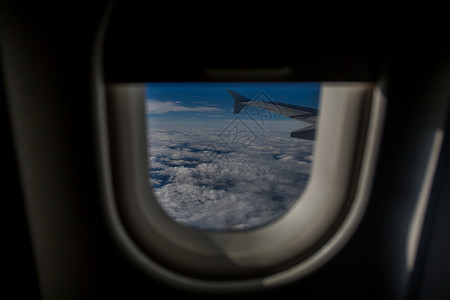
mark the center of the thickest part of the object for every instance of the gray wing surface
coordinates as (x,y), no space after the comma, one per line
(300,113)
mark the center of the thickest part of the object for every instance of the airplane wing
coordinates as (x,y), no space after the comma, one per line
(300,113)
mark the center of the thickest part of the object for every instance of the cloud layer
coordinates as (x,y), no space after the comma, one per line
(161,107)
(230,179)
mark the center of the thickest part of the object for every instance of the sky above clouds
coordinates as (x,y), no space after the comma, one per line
(209,104)
(213,170)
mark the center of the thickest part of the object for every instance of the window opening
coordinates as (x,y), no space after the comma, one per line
(230,156)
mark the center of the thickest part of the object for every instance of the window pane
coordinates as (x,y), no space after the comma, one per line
(230,156)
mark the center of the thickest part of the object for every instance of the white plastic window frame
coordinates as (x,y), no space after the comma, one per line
(292,246)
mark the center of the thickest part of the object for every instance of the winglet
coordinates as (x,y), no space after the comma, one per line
(239,101)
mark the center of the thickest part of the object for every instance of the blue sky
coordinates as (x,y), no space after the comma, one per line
(208,105)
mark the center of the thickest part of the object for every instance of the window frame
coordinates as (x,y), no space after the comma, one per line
(292,246)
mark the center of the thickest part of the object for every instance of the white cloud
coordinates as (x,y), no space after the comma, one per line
(201,182)
(161,107)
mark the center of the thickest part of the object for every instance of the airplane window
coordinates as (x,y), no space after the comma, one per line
(230,156)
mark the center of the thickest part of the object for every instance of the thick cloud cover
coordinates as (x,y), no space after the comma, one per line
(229,179)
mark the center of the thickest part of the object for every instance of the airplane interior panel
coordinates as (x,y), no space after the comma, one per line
(218,151)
